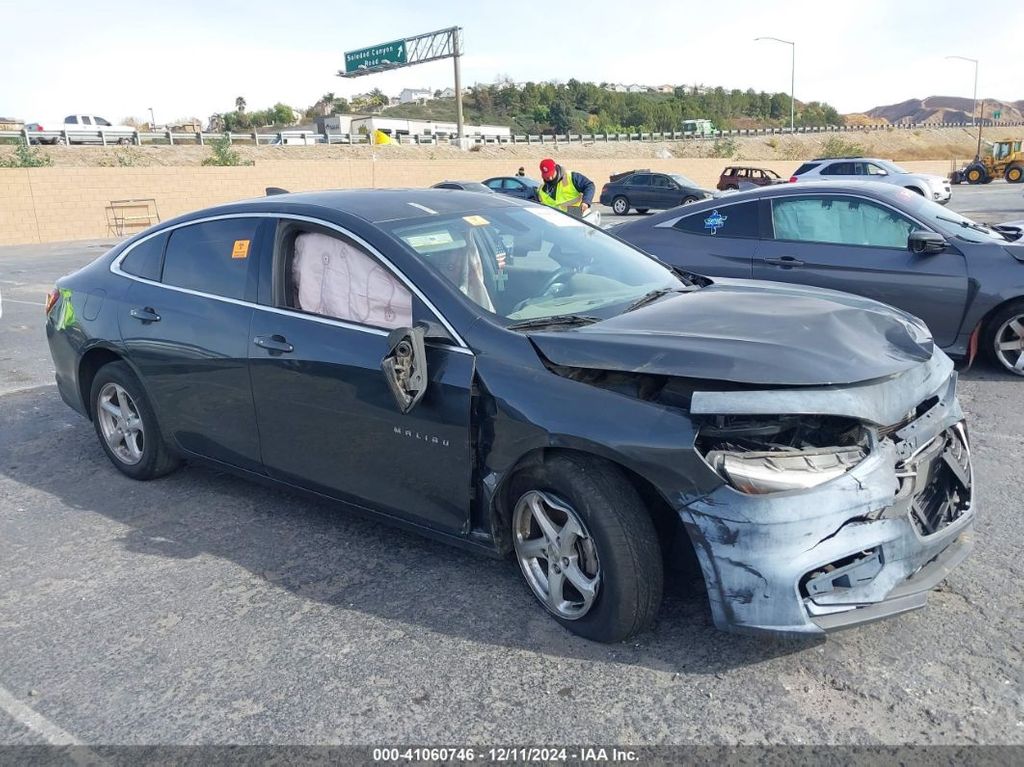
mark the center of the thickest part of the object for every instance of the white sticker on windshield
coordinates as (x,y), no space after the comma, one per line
(555,217)
(428,240)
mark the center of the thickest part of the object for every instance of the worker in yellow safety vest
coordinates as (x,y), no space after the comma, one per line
(571,193)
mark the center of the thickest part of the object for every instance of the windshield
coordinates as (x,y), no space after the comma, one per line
(683,180)
(947,221)
(892,167)
(522,263)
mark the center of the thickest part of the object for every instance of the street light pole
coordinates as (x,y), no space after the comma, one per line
(792,79)
(975,62)
(152,119)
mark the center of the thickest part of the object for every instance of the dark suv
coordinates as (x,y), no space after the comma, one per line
(646,191)
(735,175)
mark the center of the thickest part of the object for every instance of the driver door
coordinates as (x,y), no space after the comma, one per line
(859,246)
(327,419)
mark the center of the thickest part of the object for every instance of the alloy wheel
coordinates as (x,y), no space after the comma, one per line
(1009,344)
(121,424)
(557,554)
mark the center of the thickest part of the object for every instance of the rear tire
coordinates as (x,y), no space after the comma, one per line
(126,424)
(620,206)
(1014,174)
(1003,337)
(616,553)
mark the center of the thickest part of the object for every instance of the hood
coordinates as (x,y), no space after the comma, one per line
(749,332)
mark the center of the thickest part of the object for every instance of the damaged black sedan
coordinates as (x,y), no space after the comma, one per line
(513,380)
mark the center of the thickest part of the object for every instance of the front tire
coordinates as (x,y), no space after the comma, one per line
(689,200)
(126,424)
(1004,337)
(976,174)
(587,547)
(620,206)
(1015,174)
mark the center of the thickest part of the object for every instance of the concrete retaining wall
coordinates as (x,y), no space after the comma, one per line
(67,203)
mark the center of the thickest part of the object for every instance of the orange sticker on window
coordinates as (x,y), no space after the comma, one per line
(475,220)
(241,249)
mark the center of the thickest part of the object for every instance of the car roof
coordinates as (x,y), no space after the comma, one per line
(851,157)
(372,205)
(886,192)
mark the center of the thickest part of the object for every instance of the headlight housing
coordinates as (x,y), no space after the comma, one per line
(775,472)
(758,455)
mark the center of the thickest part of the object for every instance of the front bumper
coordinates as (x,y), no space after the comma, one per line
(867,545)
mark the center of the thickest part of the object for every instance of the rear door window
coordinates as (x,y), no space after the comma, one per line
(86,120)
(212,257)
(640,179)
(838,169)
(841,221)
(739,220)
(496,183)
(807,166)
(146,259)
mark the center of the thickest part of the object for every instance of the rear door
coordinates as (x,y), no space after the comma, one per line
(718,242)
(638,190)
(327,419)
(857,245)
(185,326)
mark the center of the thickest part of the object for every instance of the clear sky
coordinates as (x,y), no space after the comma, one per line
(188,58)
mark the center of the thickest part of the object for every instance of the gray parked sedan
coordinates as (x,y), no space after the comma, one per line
(965,280)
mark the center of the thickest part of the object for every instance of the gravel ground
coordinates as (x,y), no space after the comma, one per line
(203,609)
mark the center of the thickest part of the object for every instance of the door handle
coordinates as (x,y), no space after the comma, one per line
(274,343)
(145,315)
(784,261)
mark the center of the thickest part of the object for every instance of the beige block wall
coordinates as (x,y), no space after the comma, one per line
(68,203)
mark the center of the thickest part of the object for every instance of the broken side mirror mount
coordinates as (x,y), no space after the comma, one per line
(923,243)
(405,366)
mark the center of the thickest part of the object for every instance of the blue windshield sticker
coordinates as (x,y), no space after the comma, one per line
(715,221)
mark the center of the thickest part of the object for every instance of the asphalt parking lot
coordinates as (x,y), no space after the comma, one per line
(200,608)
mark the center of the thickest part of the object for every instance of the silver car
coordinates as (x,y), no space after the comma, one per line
(931,187)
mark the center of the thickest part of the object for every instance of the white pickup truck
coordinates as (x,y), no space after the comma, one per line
(81,129)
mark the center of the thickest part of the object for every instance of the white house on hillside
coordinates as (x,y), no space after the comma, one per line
(411,95)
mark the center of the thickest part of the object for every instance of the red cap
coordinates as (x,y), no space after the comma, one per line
(547,169)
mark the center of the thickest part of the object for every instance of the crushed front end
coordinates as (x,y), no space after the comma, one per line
(840,505)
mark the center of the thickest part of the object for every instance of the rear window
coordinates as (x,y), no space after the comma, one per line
(212,257)
(739,220)
(146,258)
(807,166)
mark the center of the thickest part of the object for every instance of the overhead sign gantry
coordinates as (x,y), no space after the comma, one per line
(442,44)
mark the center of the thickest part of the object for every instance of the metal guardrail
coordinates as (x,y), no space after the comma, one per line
(310,138)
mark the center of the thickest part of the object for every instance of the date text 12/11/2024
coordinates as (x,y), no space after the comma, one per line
(505,754)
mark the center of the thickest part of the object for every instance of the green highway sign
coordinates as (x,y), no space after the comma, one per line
(996,115)
(382,56)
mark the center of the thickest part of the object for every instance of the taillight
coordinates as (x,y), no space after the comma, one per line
(51,299)
(792,179)
(604,190)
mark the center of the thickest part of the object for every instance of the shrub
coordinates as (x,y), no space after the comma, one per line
(723,148)
(835,146)
(223,154)
(26,157)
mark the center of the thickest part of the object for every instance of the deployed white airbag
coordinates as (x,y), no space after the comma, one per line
(336,279)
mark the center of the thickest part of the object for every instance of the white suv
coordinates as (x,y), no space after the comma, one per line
(872,169)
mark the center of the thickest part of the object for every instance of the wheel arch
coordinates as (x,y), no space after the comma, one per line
(93,360)
(677,546)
